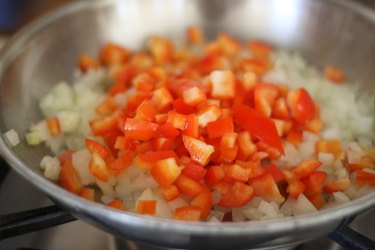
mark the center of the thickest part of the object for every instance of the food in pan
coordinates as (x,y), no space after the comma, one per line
(199,130)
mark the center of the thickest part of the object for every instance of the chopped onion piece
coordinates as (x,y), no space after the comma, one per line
(12,137)
(340,197)
(303,206)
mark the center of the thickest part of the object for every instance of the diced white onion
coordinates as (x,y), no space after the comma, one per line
(303,206)
(80,161)
(12,137)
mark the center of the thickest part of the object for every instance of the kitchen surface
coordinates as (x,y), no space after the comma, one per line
(17,194)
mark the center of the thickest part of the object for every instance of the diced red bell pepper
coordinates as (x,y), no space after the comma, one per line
(265,186)
(193,96)
(214,174)
(188,213)
(228,155)
(87,193)
(249,80)
(112,54)
(144,82)
(302,107)
(166,171)
(334,74)
(208,113)
(238,195)
(68,178)
(191,127)
(283,126)
(306,167)
(139,130)
(259,66)
(143,147)
(276,173)
(295,188)
(169,131)
(117,203)
(121,163)
(273,153)
(218,128)
(204,202)
(148,159)
(199,151)
(194,171)
(228,140)
(162,98)
(169,193)
(264,98)
(98,167)
(66,155)
(245,143)
(314,125)
(222,186)
(146,111)
(336,185)
(146,207)
(53,126)
(86,63)
(259,49)
(255,170)
(229,45)
(258,125)
(235,172)
(363,178)
(194,35)
(123,143)
(182,108)
(314,182)
(330,146)
(105,125)
(294,136)
(161,49)
(223,84)
(94,146)
(280,109)
(177,120)
(317,200)
(161,143)
(106,107)
(188,186)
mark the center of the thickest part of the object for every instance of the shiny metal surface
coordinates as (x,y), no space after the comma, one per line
(325,32)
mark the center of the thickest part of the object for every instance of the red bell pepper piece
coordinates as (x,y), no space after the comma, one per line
(165,172)
(68,178)
(188,213)
(188,186)
(314,182)
(204,202)
(218,128)
(301,105)
(276,173)
(258,125)
(146,207)
(238,195)
(194,171)
(265,186)
(118,204)
(199,151)
(139,130)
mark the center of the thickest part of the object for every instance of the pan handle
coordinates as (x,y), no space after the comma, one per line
(350,239)
(33,220)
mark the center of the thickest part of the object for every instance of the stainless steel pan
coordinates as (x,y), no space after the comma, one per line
(325,32)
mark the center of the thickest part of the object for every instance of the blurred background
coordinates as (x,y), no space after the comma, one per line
(16,13)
